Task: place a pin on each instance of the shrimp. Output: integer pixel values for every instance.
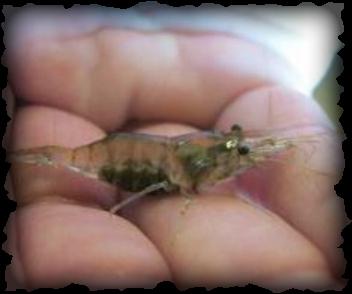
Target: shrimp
(144, 164)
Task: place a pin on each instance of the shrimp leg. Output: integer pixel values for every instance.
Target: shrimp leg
(188, 201)
(162, 185)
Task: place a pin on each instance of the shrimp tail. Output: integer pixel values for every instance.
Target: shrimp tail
(48, 155)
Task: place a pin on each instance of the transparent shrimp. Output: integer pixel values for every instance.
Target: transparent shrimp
(142, 164)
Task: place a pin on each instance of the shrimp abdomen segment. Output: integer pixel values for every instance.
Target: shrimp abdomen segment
(134, 162)
(117, 151)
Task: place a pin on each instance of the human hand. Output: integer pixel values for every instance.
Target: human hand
(80, 83)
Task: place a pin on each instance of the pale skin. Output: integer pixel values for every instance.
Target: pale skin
(79, 88)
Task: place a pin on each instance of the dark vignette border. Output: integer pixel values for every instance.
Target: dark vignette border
(7, 206)
(343, 188)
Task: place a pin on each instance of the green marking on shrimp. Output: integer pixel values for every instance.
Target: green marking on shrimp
(133, 176)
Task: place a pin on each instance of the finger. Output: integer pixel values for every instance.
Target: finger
(222, 241)
(301, 190)
(109, 75)
(55, 244)
(40, 125)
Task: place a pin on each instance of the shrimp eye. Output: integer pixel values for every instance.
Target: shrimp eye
(243, 149)
(236, 128)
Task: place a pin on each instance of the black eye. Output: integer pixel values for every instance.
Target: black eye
(236, 128)
(243, 149)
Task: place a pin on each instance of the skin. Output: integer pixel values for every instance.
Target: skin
(77, 88)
